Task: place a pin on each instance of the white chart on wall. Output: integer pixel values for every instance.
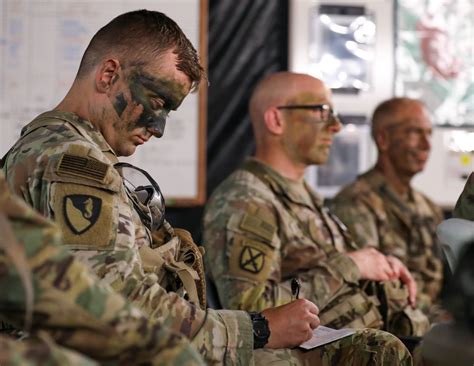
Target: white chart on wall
(41, 44)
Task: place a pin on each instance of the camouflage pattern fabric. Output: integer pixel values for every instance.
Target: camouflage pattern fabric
(65, 170)
(262, 231)
(366, 347)
(68, 303)
(37, 352)
(222, 337)
(403, 227)
(464, 208)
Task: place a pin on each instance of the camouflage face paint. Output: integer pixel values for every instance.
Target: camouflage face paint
(120, 104)
(158, 98)
(141, 98)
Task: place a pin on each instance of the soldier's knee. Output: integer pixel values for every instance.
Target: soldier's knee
(383, 347)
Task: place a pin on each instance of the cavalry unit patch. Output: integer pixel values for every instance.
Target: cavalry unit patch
(87, 215)
(81, 211)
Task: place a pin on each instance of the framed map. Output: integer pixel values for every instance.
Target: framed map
(435, 57)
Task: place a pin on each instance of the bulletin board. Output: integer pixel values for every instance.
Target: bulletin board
(41, 45)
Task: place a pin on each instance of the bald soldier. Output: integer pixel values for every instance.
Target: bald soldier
(265, 228)
(381, 208)
(54, 298)
(136, 69)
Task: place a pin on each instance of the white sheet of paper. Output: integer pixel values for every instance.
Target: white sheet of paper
(323, 335)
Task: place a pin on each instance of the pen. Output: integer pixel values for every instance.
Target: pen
(295, 287)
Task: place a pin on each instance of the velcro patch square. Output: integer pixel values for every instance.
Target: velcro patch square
(250, 259)
(257, 226)
(80, 166)
(88, 216)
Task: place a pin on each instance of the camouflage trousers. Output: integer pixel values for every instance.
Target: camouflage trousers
(43, 351)
(366, 347)
(35, 351)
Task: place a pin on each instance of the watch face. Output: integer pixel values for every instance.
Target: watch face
(259, 329)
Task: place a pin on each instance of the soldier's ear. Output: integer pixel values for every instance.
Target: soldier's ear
(106, 74)
(382, 140)
(273, 121)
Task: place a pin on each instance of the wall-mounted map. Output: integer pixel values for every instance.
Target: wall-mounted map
(435, 57)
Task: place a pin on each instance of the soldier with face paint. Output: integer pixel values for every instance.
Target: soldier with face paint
(136, 70)
(264, 226)
(383, 211)
(141, 102)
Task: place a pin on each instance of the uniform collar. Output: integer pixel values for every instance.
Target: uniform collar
(284, 186)
(379, 182)
(84, 127)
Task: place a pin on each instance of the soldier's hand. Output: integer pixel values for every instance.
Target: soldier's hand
(405, 276)
(373, 265)
(291, 324)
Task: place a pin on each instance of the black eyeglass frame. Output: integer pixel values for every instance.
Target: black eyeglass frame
(305, 106)
(322, 107)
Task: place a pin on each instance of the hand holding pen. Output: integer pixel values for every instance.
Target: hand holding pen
(292, 324)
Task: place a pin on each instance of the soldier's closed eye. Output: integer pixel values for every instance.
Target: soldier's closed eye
(157, 103)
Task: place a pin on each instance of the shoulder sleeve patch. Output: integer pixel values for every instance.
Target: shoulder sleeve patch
(87, 216)
(256, 225)
(79, 166)
(250, 259)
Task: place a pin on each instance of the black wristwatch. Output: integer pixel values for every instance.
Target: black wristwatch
(261, 330)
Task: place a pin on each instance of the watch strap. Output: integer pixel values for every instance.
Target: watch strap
(261, 330)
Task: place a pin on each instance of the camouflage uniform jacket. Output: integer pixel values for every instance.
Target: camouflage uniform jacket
(376, 216)
(260, 234)
(65, 170)
(65, 302)
(464, 208)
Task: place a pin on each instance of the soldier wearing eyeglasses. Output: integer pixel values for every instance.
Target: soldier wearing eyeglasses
(264, 225)
(382, 209)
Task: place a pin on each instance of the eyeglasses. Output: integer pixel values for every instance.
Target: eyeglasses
(327, 113)
(144, 193)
